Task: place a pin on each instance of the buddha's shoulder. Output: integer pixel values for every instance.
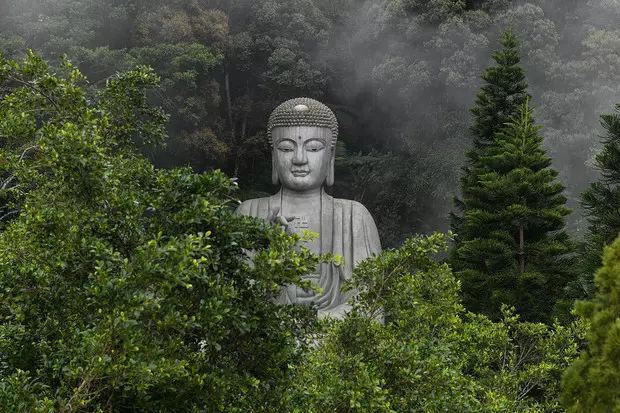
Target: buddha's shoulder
(354, 206)
(251, 206)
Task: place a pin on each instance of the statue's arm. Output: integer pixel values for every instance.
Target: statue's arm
(244, 208)
(371, 234)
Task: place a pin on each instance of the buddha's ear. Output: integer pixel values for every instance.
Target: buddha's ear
(275, 179)
(330, 170)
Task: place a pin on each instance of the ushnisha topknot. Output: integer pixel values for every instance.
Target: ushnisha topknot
(303, 112)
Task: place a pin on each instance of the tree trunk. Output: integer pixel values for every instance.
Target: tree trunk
(240, 144)
(521, 249)
(229, 104)
(231, 121)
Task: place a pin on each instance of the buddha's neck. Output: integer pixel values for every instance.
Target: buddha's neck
(301, 198)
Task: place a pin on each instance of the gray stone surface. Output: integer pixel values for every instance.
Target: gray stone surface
(303, 134)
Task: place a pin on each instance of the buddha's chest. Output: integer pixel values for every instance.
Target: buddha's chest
(304, 218)
(311, 223)
(304, 221)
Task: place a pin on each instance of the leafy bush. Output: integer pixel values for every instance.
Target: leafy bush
(122, 287)
(432, 355)
(591, 384)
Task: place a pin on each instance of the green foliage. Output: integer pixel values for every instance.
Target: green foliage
(400, 75)
(501, 97)
(600, 202)
(123, 287)
(40, 101)
(516, 251)
(591, 383)
(432, 355)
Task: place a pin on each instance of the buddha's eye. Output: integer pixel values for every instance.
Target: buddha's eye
(286, 146)
(315, 146)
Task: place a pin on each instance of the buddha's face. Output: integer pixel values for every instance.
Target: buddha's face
(302, 155)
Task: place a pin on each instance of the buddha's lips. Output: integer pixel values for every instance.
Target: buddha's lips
(300, 173)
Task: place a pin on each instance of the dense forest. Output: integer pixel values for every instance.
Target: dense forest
(401, 76)
(130, 129)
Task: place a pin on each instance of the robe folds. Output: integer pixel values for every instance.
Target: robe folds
(347, 230)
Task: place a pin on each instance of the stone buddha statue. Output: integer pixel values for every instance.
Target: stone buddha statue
(302, 134)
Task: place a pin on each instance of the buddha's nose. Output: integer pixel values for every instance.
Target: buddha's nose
(300, 157)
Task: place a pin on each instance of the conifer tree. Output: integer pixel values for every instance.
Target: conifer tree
(601, 202)
(592, 383)
(501, 96)
(516, 252)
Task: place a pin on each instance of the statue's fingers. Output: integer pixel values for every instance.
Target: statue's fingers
(290, 218)
(273, 213)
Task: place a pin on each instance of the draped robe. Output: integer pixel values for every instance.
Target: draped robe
(347, 230)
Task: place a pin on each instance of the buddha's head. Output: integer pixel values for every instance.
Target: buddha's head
(303, 134)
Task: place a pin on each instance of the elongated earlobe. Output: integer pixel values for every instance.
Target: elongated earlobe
(274, 171)
(330, 171)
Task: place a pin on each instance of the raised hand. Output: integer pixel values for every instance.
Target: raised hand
(275, 216)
